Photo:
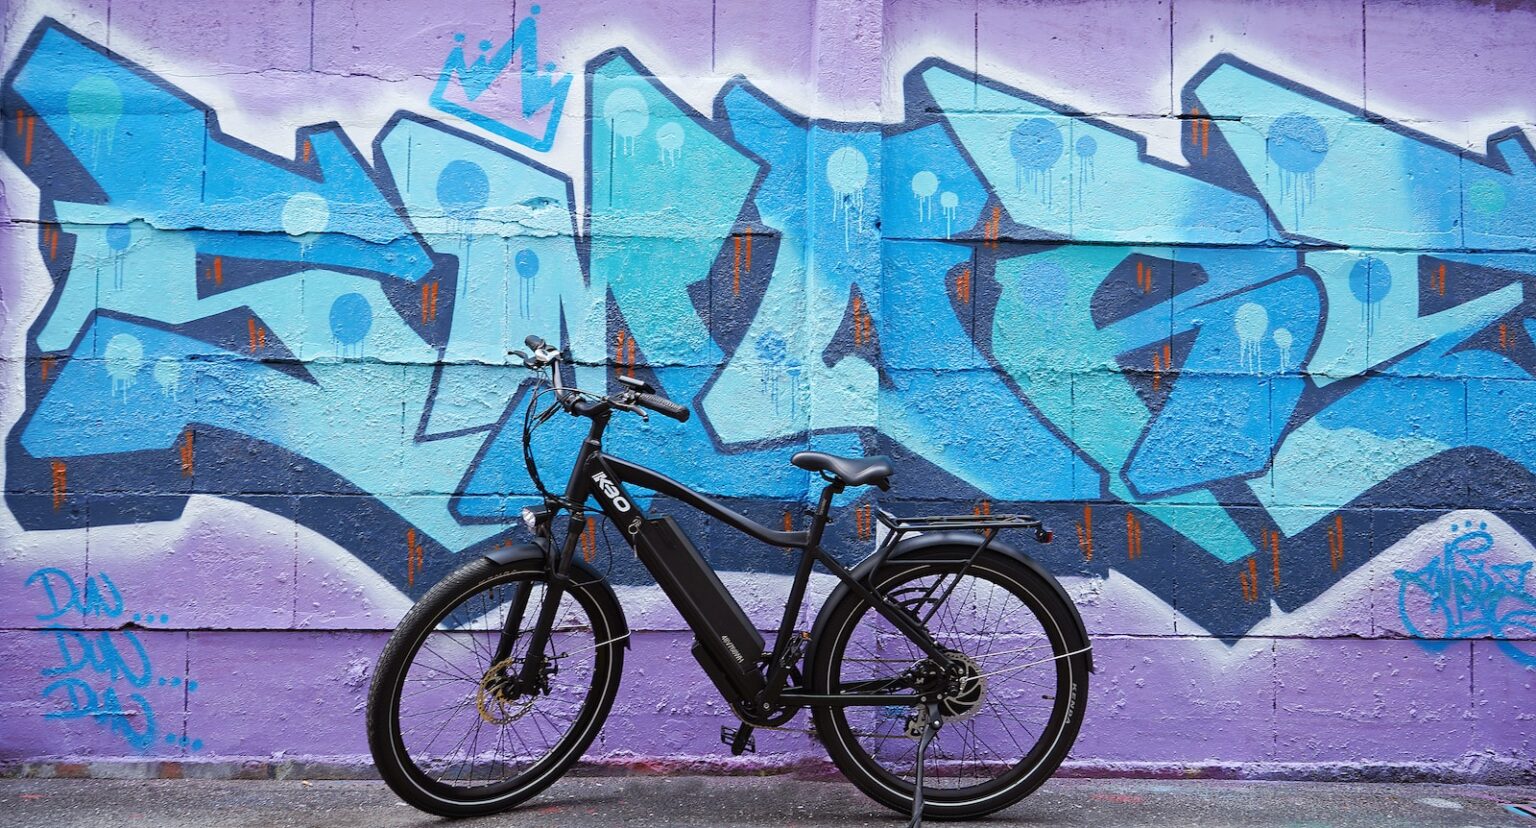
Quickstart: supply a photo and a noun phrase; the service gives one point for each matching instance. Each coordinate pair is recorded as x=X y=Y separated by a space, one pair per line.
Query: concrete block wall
x=1232 y=294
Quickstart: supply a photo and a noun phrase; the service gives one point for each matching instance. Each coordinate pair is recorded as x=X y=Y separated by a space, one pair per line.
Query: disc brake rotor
x=495 y=701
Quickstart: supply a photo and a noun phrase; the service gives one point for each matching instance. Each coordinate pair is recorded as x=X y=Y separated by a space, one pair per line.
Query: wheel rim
x=1000 y=735
x=461 y=732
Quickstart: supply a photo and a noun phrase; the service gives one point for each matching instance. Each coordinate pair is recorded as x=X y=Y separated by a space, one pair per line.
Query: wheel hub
x=497 y=698
x=964 y=690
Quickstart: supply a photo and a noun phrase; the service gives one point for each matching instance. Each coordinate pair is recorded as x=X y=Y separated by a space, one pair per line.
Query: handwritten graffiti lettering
x=1464 y=594
x=100 y=673
x=99 y=597
x=82 y=700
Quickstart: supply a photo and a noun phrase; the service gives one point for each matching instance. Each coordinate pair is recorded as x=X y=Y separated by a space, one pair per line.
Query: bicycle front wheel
x=457 y=728
x=1007 y=726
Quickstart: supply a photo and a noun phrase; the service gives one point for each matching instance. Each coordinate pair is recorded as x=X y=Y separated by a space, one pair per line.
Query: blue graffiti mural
x=1241 y=362
x=1463 y=593
x=94 y=664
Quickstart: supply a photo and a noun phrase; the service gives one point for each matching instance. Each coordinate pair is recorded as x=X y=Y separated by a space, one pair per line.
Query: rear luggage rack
x=928 y=523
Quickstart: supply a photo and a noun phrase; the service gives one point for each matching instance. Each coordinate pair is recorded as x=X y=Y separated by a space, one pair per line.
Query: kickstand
x=930 y=727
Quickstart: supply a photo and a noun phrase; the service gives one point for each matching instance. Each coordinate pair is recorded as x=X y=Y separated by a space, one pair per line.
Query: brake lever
x=622 y=401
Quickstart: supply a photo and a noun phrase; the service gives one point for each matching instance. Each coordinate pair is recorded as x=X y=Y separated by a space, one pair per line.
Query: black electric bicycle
x=947 y=673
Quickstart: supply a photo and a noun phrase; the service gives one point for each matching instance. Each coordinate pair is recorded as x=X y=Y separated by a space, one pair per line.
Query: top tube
x=656 y=481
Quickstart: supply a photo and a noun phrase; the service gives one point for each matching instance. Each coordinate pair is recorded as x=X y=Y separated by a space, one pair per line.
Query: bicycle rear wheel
x=452 y=729
x=1007 y=727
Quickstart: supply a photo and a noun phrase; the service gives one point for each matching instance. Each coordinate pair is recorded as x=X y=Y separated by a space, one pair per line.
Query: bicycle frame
x=602 y=477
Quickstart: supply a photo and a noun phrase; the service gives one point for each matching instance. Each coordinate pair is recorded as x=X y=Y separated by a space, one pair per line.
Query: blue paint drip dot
x=175 y=681
x=462 y=189
x=197 y=744
x=164 y=618
x=351 y=318
x=527 y=263
x=1036 y=144
x=1370 y=280
x=1297 y=143
x=170 y=738
x=191 y=685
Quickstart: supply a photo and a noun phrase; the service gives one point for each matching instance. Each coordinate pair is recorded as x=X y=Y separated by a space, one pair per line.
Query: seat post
x=819 y=520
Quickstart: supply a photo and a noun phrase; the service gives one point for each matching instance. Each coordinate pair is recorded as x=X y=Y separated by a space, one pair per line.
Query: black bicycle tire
x=386 y=742
x=1067 y=714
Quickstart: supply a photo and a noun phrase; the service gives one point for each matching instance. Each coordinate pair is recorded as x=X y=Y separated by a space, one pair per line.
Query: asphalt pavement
x=743 y=802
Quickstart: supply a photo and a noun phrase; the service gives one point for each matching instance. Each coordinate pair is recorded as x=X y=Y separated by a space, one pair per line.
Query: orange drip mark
x=1132 y=536
x=1249 y=579
x=1143 y=277
x=186 y=454
x=250 y=325
x=60 y=481
x=863 y=327
x=429 y=302
x=53 y=243
x=1503 y=336
x=218 y=270
x=736 y=268
x=1085 y=533
x=864 y=521
x=1157 y=371
x=589 y=541
x=261 y=337
x=307 y=150
x=1194 y=132
x=982 y=508
x=749 y=252
x=415 y=557
x=26 y=157
x=1336 y=541
x=1205 y=137
x=997 y=225
x=44 y=365
x=789 y=521
x=1441 y=279
x=963 y=285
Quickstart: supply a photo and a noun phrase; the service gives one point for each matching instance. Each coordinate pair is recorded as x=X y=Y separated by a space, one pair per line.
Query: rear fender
x=1077 y=634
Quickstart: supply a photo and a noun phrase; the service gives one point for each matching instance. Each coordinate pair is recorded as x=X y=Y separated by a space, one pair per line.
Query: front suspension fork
x=532 y=673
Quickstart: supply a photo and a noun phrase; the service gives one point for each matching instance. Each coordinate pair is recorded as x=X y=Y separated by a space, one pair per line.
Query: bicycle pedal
x=739 y=738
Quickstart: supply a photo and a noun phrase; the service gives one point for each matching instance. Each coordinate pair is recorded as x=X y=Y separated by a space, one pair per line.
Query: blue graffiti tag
x=1461 y=594
x=93 y=663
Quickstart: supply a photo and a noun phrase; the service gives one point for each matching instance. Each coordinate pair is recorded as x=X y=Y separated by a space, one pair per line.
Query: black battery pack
x=727 y=645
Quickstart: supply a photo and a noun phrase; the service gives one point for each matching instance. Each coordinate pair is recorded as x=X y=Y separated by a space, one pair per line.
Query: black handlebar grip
x=534 y=343
x=662 y=406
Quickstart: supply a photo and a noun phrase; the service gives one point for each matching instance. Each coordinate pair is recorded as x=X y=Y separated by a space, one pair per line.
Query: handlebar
x=662 y=406
x=546 y=355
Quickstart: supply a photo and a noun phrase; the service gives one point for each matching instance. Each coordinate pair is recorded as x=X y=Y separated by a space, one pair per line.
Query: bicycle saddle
x=850 y=471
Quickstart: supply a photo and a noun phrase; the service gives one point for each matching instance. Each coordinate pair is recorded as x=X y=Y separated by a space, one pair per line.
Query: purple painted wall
x=1236 y=294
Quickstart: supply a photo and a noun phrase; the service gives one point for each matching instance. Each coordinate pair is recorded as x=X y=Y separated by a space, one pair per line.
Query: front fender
x=581 y=573
x=915 y=545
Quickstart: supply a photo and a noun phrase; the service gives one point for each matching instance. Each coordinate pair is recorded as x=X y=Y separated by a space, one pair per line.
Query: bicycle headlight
x=533 y=517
